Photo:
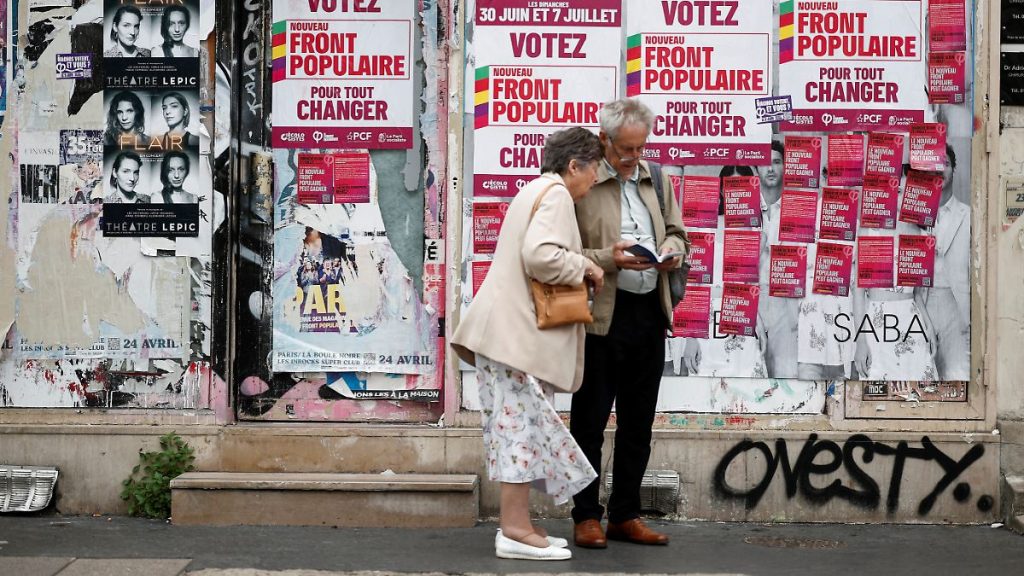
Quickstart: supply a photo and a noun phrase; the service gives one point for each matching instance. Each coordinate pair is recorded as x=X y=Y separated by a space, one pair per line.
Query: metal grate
x=659 y=490
x=26 y=488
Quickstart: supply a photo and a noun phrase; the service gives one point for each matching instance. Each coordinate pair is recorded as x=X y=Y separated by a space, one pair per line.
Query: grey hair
x=624 y=112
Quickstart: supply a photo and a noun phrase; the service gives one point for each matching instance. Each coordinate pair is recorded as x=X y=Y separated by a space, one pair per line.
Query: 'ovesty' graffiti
x=823 y=457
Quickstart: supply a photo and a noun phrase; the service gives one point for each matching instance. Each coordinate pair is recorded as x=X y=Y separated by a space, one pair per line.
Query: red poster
x=799 y=212
x=487 y=219
x=915 y=263
x=885 y=154
x=845 y=159
x=741 y=256
x=921 y=198
x=788 y=275
x=878 y=201
x=928 y=147
x=802 y=167
x=742 y=201
x=351 y=177
x=838 y=219
x=702 y=257
x=832 y=267
x=692 y=317
x=676 y=181
x=700 y=201
x=739 y=309
x=874 y=261
x=480 y=269
x=947 y=29
x=314 y=179
x=946 y=77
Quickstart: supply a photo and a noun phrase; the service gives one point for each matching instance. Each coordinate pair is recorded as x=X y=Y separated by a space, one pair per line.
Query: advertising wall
x=821 y=155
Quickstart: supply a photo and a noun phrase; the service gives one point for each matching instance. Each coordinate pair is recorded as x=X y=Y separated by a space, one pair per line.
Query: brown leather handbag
x=558 y=304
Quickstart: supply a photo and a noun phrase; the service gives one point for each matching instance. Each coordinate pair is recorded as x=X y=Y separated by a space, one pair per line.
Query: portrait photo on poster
x=174 y=118
x=127 y=175
x=175 y=29
x=125 y=118
x=127 y=31
x=175 y=179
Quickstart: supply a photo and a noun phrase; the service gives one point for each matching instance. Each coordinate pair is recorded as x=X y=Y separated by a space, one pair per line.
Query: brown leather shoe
x=637 y=532
x=588 y=534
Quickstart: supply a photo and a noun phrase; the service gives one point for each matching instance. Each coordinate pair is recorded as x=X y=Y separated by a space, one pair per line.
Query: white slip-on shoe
x=552 y=541
x=511 y=549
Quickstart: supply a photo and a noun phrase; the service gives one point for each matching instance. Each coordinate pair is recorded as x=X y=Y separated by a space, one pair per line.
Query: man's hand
x=669 y=264
x=627 y=261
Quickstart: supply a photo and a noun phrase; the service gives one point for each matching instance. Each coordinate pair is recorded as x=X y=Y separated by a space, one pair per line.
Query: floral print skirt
x=525 y=440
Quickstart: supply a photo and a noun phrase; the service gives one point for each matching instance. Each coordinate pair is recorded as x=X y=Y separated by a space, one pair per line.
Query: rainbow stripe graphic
x=277 y=51
x=482 y=96
x=633 y=65
x=785 y=31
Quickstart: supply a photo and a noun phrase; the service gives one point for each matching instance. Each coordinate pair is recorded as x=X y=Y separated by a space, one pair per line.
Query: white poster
x=702 y=67
x=343 y=73
x=540 y=67
x=853 y=64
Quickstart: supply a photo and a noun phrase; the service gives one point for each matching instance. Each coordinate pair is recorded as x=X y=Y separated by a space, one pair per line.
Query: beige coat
x=501 y=322
x=600 y=218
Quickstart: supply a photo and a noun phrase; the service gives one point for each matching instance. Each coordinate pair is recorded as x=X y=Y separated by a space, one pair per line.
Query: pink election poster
x=741 y=256
x=845 y=159
x=676 y=182
x=700 y=201
x=314 y=180
x=946 y=77
x=838 y=220
x=739 y=309
x=351 y=177
x=798 y=215
x=878 y=201
x=915 y=262
x=928 y=147
x=802 y=162
x=875 y=262
x=832 y=268
x=702 y=257
x=788 y=272
x=947 y=27
x=338 y=178
x=885 y=154
x=692 y=316
x=742 y=201
x=921 y=198
x=480 y=268
x=487 y=219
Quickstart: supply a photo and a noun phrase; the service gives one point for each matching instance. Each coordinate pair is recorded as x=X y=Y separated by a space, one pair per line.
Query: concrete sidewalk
x=118 y=546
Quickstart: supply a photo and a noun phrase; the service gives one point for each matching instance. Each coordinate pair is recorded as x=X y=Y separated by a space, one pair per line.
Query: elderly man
x=625 y=346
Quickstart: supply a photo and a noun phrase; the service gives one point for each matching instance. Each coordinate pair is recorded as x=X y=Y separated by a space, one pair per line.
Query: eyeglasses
x=628 y=154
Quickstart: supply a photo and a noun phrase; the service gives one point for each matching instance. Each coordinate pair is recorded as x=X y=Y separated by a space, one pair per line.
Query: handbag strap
x=536 y=202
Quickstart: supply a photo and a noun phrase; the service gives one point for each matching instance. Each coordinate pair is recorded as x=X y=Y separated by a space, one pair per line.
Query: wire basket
x=26 y=488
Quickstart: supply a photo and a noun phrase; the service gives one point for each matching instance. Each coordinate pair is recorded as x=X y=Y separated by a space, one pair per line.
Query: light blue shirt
x=637 y=228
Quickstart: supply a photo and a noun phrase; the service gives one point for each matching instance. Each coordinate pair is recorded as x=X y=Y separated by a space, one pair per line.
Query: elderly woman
x=518 y=365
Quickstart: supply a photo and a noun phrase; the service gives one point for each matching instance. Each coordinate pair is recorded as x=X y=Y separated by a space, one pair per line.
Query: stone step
x=325 y=499
x=1013 y=494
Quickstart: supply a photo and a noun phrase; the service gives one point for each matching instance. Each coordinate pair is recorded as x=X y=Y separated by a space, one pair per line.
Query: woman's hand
x=594 y=275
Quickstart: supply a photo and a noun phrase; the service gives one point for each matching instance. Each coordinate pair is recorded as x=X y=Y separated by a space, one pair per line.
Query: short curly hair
x=570 y=144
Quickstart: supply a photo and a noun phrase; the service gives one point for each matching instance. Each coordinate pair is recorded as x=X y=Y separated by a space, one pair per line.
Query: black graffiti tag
x=862 y=490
